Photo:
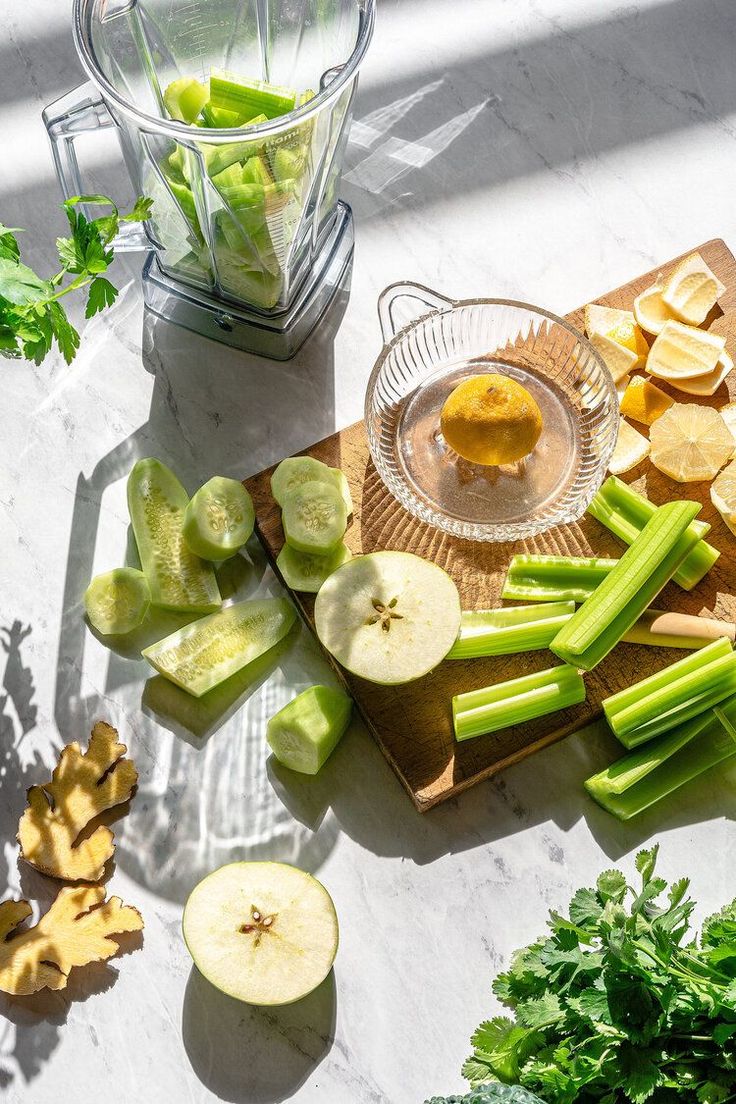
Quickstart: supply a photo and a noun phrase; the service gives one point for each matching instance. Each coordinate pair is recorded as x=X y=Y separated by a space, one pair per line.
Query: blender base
x=277 y=336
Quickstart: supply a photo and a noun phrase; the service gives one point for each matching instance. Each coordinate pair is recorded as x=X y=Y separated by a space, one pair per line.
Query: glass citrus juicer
x=248 y=241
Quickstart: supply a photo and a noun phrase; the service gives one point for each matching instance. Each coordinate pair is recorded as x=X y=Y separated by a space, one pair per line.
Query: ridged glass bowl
x=432 y=345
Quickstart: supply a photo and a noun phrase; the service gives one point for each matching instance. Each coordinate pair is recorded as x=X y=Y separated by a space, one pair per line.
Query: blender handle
x=81 y=111
x=406 y=302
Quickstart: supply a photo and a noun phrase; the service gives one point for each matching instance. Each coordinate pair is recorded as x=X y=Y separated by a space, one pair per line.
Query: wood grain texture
x=413 y=723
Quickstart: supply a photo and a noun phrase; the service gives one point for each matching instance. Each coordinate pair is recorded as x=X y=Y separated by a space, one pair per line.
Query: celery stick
x=713 y=744
x=255 y=171
x=555 y=578
x=664 y=678
x=506 y=631
x=219 y=119
x=643 y=570
x=185 y=98
x=625 y=512
x=249 y=97
x=516 y=701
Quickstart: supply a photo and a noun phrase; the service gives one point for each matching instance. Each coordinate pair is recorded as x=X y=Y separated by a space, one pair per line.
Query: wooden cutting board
x=412 y=723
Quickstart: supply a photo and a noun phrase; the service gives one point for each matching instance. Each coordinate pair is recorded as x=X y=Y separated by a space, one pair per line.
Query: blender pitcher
x=249 y=243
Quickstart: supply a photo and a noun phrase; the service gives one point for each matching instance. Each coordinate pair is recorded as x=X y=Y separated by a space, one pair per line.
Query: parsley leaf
x=101 y=294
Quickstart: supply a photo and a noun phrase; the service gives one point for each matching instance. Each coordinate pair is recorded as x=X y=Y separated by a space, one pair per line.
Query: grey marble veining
x=542 y=149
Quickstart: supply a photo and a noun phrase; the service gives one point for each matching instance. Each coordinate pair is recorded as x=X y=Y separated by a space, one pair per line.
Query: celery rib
x=625 y=512
x=629 y=587
x=249 y=98
x=507 y=631
x=516 y=701
x=555 y=578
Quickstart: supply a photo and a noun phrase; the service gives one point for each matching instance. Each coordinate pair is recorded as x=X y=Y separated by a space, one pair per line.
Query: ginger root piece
x=82 y=787
x=77 y=929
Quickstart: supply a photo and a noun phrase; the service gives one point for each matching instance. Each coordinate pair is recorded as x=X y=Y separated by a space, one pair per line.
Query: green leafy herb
x=618 y=1003
x=31 y=314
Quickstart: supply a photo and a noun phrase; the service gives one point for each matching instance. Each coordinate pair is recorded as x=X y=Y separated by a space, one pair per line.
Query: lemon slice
x=728 y=413
x=618 y=360
x=692 y=290
x=683 y=352
x=690 y=442
x=723 y=495
x=707 y=385
x=617 y=325
x=631 y=448
x=644 y=401
x=650 y=311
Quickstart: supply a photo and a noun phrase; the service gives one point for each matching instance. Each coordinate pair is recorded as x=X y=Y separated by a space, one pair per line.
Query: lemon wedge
x=621 y=386
x=692 y=290
x=644 y=401
x=617 y=325
x=690 y=442
x=683 y=352
x=707 y=385
x=728 y=413
x=650 y=311
x=618 y=360
x=631 y=448
x=723 y=495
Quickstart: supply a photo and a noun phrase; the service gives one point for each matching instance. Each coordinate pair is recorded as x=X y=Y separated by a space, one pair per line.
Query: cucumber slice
x=296 y=470
x=178 y=579
x=314 y=518
x=305 y=732
x=262 y=932
x=219 y=519
x=117 y=601
x=302 y=571
x=205 y=653
x=388 y=617
x=185 y=98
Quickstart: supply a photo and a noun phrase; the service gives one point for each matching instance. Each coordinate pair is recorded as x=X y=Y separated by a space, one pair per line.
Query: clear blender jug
x=249 y=257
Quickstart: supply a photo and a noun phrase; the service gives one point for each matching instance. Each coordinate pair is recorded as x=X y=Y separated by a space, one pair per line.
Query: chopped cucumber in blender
x=305 y=732
x=302 y=571
x=117 y=601
x=296 y=470
x=314 y=518
x=250 y=97
x=205 y=653
x=219 y=519
x=177 y=578
x=185 y=98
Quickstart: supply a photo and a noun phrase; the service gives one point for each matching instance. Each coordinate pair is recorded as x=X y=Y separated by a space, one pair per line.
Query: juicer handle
x=82 y=111
x=402 y=303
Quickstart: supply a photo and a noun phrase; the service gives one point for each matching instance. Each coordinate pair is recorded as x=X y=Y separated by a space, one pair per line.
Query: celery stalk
x=625 y=512
x=516 y=701
x=249 y=97
x=629 y=587
x=506 y=631
x=639 y=780
x=555 y=578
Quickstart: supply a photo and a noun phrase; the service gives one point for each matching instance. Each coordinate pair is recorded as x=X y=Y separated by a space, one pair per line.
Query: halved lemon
x=650 y=311
x=690 y=443
x=631 y=448
x=644 y=401
x=723 y=495
x=707 y=385
x=683 y=352
x=692 y=290
x=618 y=359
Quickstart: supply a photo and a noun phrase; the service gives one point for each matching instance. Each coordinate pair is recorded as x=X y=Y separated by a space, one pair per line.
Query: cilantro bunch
x=619 y=1003
x=31 y=314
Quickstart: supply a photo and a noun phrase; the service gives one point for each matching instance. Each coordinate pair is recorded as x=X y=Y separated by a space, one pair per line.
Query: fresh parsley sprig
x=32 y=316
x=618 y=1004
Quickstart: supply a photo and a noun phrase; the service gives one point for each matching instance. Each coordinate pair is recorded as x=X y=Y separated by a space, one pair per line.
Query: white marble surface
x=563 y=146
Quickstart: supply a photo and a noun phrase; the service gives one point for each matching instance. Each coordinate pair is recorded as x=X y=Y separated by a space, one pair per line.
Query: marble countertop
x=546 y=150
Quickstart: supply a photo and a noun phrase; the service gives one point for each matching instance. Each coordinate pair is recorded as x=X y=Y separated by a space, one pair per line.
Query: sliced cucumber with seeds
x=302 y=571
x=314 y=518
x=219 y=519
x=297 y=470
x=117 y=601
x=205 y=653
x=177 y=578
x=305 y=732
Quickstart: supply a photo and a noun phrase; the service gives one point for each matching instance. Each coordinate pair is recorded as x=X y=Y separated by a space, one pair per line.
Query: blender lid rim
x=83 y=42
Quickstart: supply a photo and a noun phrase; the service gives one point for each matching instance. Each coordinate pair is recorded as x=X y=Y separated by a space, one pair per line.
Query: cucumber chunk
x=296 y=470
x=185 y=98
x=117 y=601
x=305 y=732
x=314 y=518
x=219 y=519
x=178 y=579
x=205 y=653
x=302 y=571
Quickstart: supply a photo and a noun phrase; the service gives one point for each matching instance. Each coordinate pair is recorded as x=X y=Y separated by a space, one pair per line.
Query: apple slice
x=263 y=932
x=389 y=617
